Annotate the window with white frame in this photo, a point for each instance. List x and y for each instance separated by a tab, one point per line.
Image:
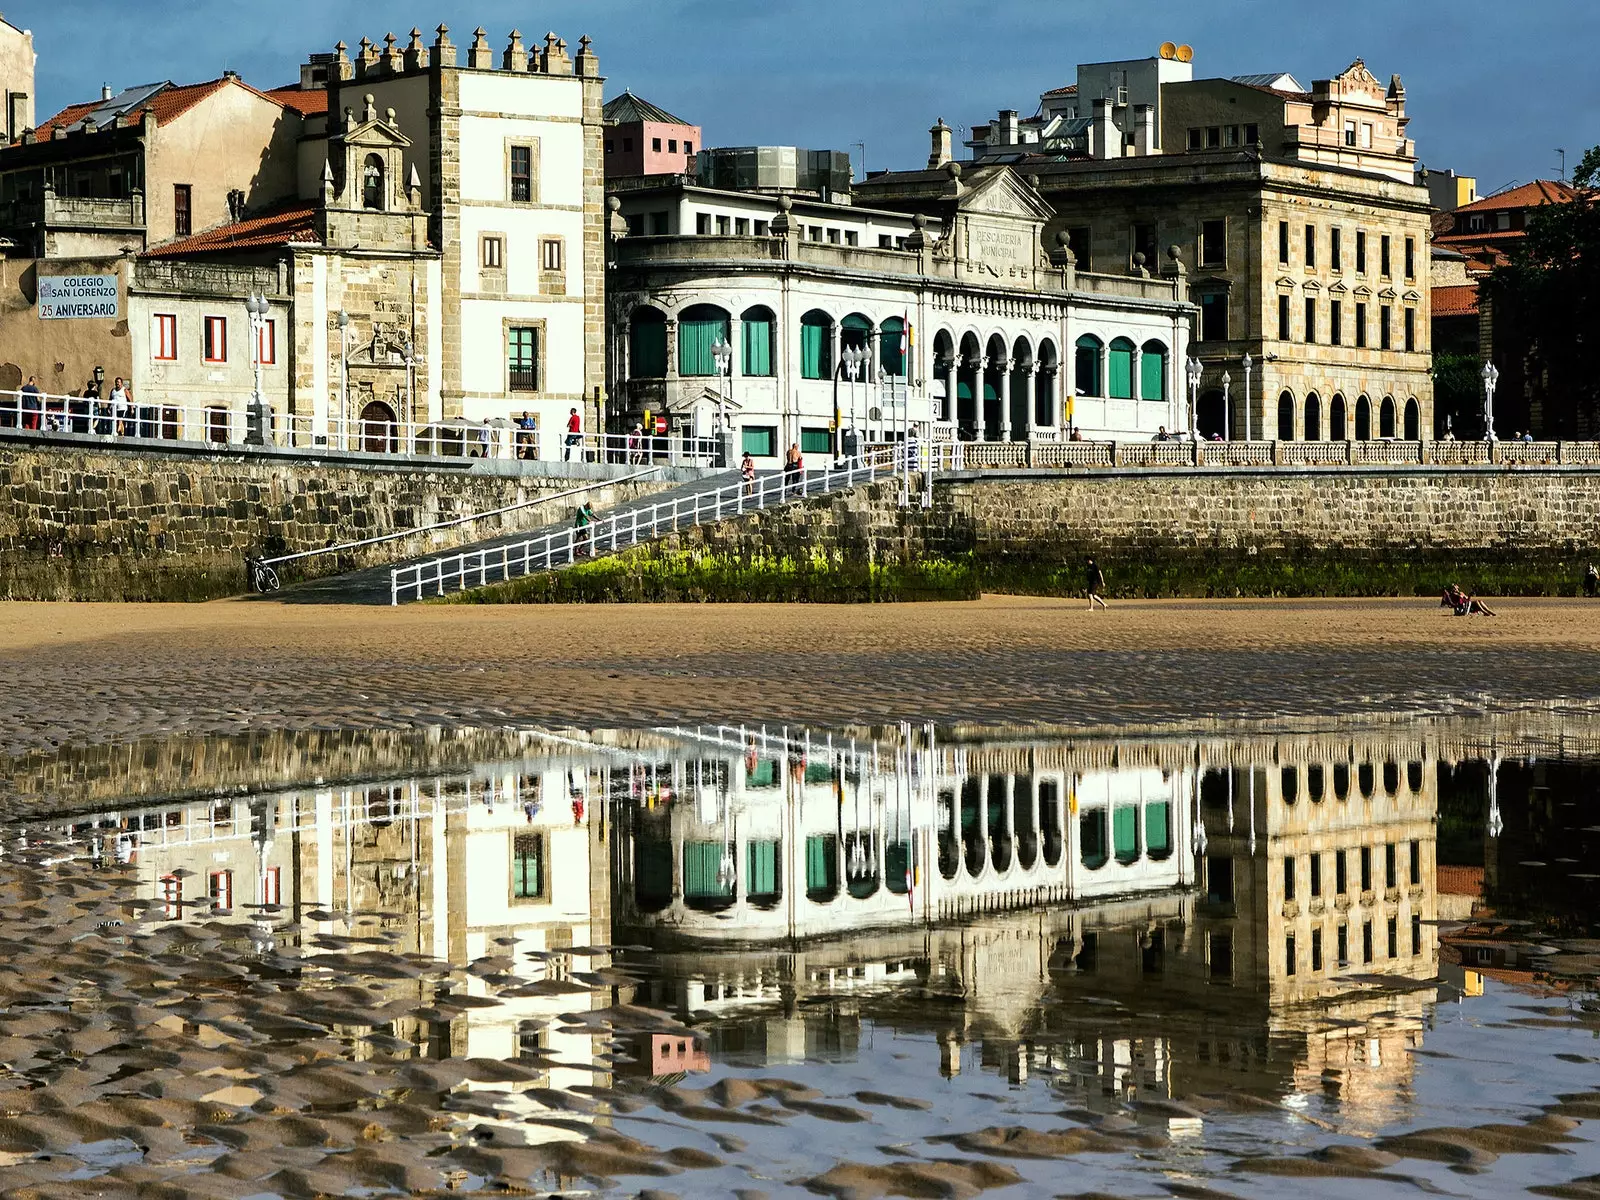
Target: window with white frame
215	346
552	254
164	337
493	252
272	886
267	344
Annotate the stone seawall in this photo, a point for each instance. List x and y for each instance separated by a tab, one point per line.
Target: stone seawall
113	524
1187	531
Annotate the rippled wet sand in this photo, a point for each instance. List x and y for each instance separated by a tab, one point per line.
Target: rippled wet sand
113	672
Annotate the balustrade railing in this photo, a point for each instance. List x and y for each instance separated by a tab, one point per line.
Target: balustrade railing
229	423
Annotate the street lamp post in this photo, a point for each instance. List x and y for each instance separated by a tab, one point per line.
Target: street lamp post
1195	369
1491	377
1227	414
853	358
259	431
343	322
722	353
1247	363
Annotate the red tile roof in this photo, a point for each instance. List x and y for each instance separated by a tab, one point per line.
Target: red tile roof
294	223
310	102
1529	195
1457	881
1070	89
1455	300
168	104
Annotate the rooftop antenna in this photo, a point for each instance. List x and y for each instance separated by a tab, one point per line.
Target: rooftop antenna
1562	152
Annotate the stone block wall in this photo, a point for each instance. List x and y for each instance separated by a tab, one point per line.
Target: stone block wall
103	524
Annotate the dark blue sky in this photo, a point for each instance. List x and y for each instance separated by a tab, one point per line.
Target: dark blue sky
1493	88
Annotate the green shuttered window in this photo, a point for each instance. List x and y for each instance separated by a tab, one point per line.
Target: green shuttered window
816	349
757	342
1125	833
1153	372
1120	364
699	329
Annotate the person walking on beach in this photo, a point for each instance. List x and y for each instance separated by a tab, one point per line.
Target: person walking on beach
1095	583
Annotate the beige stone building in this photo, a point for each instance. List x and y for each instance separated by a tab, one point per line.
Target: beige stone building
1295	213
17	61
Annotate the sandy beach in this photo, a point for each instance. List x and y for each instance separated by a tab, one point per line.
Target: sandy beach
89	672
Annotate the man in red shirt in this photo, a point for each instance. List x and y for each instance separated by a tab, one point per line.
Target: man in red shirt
574	435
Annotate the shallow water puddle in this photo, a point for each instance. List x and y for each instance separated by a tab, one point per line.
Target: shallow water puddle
724	961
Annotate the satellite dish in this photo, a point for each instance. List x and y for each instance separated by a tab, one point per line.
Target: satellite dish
1169	50
1185	53
874	414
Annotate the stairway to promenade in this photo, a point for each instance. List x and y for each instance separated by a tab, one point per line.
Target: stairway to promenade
499	559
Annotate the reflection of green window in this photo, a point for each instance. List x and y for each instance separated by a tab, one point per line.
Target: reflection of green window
1120	363
757	342
819	772
1092	837
702	864
761	881
699	328
527	866
816	350
1125	833
816	441
763	775
652	885
1157	829
897	866
822	867
647	345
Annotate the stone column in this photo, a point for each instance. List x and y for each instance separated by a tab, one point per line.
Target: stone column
1030	399
1004	367
672	349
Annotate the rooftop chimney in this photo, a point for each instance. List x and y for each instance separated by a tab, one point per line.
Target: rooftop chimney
105	91
1008	127
1104	141
941	151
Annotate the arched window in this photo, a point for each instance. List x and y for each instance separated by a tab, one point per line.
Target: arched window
758	326
1363	419
1313	418
1314	782
1286	417
816	345
647	344
1086	367
1413	421
1211	418
1153	371
372	182
944	370
891	348
1290	782
822	868
705	884
855	331
1044	387
1120	362
699	328
1336	423
1386	418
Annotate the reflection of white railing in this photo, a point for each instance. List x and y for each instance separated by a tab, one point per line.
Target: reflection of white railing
606	535
229	423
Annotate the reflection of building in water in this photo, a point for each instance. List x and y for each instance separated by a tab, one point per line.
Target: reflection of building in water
507	860
1165	917
763	839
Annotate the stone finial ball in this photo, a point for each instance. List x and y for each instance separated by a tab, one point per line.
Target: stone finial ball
614	204
954	168
1174	252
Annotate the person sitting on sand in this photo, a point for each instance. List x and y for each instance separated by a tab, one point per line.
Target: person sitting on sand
1463	605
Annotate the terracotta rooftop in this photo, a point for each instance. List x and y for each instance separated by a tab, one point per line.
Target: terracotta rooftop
309	101
1070	89
1458	881
293	223
168	103
1529	195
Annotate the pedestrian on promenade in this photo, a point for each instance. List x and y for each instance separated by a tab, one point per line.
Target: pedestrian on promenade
574	435
1095	583
1591	582
582	523
121	407
527	435
793	466
636	444
484	437
747	472
31	404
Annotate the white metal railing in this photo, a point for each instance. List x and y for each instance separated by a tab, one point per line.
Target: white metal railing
642	523
228	423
